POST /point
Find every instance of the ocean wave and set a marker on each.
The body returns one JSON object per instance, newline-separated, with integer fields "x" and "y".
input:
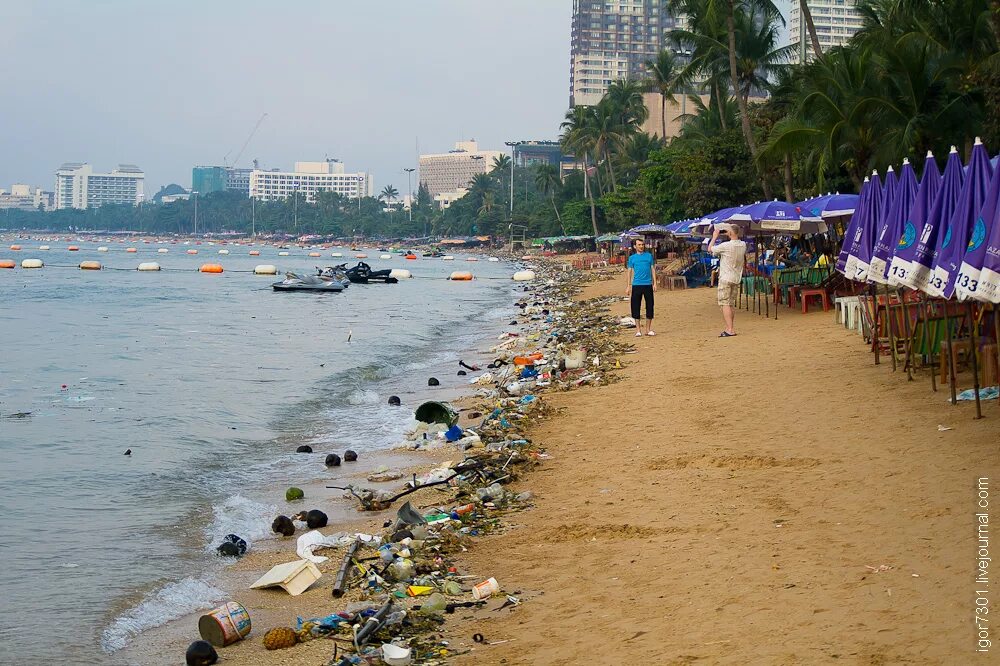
{"x": 170, "y": 602}
{"x": 362, "y": 397}
{"x": 239, "y": 515}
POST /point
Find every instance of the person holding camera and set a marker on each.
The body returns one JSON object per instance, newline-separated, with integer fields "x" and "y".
{"x": 732, "y": 255}
{"x": 641, "y": 283}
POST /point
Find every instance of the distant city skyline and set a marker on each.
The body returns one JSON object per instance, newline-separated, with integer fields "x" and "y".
{"x": 172, "y": 86}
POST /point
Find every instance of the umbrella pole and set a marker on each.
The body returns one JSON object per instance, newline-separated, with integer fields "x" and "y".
{"x": 974, "y": 342}
{"x": 951, "y": 355}
{"x": 888, "y": 327}
{"x": 910, "y": 333}
{"x": 996, "y": 335}
{"x": 925, "y": 313}
{"x": 874, "y": 292}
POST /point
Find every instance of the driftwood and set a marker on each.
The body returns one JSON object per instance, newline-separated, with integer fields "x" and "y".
{"x": 345, "y": 567}
{"x": 370, "y": 502}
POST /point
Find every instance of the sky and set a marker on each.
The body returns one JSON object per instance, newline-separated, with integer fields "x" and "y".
{"x": 171, "y": 85}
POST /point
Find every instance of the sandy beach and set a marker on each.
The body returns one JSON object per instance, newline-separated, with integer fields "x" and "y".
{"x": 769, "y": 498}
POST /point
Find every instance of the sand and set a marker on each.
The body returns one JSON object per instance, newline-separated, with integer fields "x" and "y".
{"x": 769, "y": 498}
{"x": 727, "y": 501}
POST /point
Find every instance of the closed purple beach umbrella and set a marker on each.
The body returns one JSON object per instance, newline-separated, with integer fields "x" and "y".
{"x": 916, "y": 260}
{"x": 860, "y": 229}
{"x": 969, "y": 272}
{"x": 956, "y": 233}
{"x": 989, "y": 276}
{"x": 930, "y": 183}
{"x": 862, "y": 251}
{"x": 891, "y": 226}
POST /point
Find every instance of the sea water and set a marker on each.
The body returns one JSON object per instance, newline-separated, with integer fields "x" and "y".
{"x": 212, "y": 381}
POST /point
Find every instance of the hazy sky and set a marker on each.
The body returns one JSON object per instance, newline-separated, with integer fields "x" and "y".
{"x": 167, "y": 85}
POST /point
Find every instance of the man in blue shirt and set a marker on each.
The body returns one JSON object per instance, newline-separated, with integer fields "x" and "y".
{"x": 641, "y": 279}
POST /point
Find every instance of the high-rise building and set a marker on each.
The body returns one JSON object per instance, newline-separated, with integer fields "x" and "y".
{"x": 77, "y": 186}
{"x": 836, "y": 22}
{"x": 447, "y": 175}
{"x": 611, "y": 40}
{"x": 207, "y": 179}
{"x": 307, "y": 179}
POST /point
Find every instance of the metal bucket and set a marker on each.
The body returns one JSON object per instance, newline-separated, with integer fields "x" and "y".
{"x": 225, "y": 625}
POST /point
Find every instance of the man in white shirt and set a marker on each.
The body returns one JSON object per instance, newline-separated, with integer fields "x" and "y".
{"x": 732, "y": 254}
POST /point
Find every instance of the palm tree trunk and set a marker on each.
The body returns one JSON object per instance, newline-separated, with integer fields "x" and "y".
{"x": 590, "y": 195}
{"x": 744, "y": 113}
{"x": 995, "y": 18}
{"x": 789, "y": 195}
{"x": 663, "y": 113}
{"x": 552, "y": 198}
{"x": 722, "y": 108}
{"x": 813, "y": 37}
{"x": 611, "y": 170}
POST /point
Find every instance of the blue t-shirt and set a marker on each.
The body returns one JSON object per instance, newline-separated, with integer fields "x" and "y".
{"x": 642, "y": 268}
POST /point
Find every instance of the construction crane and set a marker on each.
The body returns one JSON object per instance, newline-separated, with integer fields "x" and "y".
{"x": 245, "y": 143}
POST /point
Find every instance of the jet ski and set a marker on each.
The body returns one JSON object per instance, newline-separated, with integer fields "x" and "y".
{"x": 334, "y": 274}
{"x": 293, "y": 282}
{"x": 363, "y": 274}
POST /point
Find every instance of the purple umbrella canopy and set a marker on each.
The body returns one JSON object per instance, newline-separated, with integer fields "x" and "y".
{"x": 969, "y": 272}
{"x": 857, "y": 231}
{"x": 958, "y": 229}
{"x": 828, "y": 206}
{"x": 930, "y": 183}
{"x": 915, "y": 261}
{"x": 863, "y": 241}
{"x": 989, "y": 276}
{"x": 771, "y": 215}
{"x": 891, "y": 225}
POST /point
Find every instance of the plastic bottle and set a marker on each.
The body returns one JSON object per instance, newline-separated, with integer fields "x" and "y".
{"x": 490, "y": 492}
{"x": 401, "y": 570}
{"x": 434, "y": 605}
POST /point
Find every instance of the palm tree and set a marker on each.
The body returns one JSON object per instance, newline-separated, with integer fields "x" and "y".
{"x": 547, "y": 181}
{"x": 389, "y": 194}
{"x": 663, "y": 73}
{"x": 578, "y": 138}
{"x": 486, "y": 205}
{"x": 500, "y": 164}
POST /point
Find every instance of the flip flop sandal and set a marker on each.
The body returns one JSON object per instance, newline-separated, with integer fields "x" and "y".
{"x": 727, "y": 335}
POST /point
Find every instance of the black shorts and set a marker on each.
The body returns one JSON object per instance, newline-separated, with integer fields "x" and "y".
{"x": 640, "y": 292}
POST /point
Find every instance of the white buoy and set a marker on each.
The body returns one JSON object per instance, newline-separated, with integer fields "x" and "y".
{"x": 400, "y": 274}
{"x": 524, "y": 276}
{"x": 148, "y": 266}
{"x": 447, "y": 257}
{"x": 282, "y": 254}
{"x": 385, "y": 256}
{"x": 103, "y": 248}
{"x": 265, "y": 269}
{"x": 163, "y": 250}
{"x": 223, "y": 251}
{"x": 32, "y": 263}
{"x": 336, "y": 254}
{"x": 494, "y": 259}
{"x": 460, "y": 276}
{"x": 43, "y": 247}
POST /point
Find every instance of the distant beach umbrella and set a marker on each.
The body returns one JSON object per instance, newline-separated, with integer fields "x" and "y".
{"x": 912, "y": 263}
{"x": 828, "y": 207}
{"x": 891, "y": 225}
{"x": 958, "y": 230}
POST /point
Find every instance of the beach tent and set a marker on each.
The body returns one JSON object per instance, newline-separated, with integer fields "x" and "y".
{"x": 850, "y": 263}
{"x": 609, "y": 238}
{"x": 969, "y": 272}
{"x": 891, "y": 225}
{"x": 930, "y": 183}
{"x": 958, "y": 229}
{"x": 828, "y": 207}
{"x": 912, "y": 263}
{"x": 649, "y": 230}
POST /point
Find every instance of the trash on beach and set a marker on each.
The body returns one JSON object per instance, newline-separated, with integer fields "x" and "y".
{"x": 486, "y": 589}
{"x": 314, "y": 518}
{"x": 305, "y": 448}
{"x": 879, "y": 569}
{"x": 315, "y": 540}
{"x": 201, "y": 653}
{"x": 293, "y": 577}
{"x": 225, "y": 625}
{"x": 283, "y": 525}
{"x": 350, "y": 456}
{"x": 233, "y": 546}
{"x": 280, "y": 638}
{"x": 627, "y": 322}
{"x": 407, "y": 515}
{"x": 293, "y": 494}
{"x": 942, "y": 428}
{"x": 332, "y": 460}
{"x": 988, "y": 393}
{"x": 436, "y": 412}
{"x": 393, "y": 655}
{"x": 382, "y": 476}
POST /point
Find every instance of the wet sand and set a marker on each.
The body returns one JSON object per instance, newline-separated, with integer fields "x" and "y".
{"x": 773, "y": 498}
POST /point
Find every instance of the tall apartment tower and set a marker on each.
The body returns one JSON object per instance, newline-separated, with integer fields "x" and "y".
{"x": 836, "y": 22}
{"x": 611, "y": 40}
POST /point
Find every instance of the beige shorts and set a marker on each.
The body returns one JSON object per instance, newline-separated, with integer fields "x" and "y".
{"x": 728, "y": 293}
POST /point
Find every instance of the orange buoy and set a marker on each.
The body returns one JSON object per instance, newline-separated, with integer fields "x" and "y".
{"x": 315, "y": 254}
{"x": 254, "y": 253}
{"x": 73, "y": 248}
{"x": 410, "y": 256}
{"x": 130, "y": 249}
{"x": 460, "y": 275}
{"x": 7, "y": 263}
{"x": 192, "y": 251}
{"x": 211, "y": 268}
{"x": 90, "y": 265}
{"x": 15, "y": 247}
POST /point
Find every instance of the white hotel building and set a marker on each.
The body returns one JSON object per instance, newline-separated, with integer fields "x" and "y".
{"x": 77, "y": 186}
{"x": 308, "y": 178}
{"x": 836, "y": 22}
{"x": 447, "y": 175}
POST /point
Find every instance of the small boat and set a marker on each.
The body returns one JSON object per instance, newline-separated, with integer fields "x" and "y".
{"x": 293, "y": 282}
